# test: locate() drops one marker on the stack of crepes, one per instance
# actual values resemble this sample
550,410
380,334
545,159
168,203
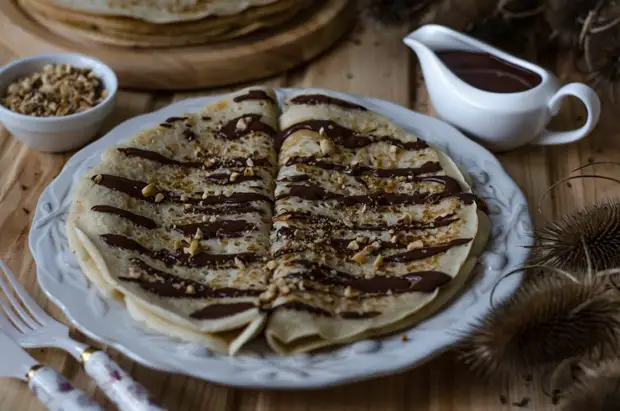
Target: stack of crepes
160,23
320,226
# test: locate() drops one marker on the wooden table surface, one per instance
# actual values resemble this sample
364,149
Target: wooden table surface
372,61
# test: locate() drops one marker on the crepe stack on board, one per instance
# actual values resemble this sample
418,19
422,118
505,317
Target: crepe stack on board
363,230
161,23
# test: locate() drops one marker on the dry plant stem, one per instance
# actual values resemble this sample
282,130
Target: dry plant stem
596,163
569,179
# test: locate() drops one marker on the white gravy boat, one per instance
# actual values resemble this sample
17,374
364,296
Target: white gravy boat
501,120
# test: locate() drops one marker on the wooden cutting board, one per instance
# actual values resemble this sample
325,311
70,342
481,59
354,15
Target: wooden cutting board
191,67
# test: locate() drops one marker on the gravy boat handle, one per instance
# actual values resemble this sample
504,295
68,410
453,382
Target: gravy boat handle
593,105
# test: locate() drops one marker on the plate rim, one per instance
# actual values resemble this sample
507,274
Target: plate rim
308,382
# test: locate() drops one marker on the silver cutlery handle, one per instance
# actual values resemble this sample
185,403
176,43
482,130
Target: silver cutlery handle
57,393
126,393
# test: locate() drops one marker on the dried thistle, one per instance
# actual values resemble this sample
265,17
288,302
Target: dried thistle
544,323
597,390
567,242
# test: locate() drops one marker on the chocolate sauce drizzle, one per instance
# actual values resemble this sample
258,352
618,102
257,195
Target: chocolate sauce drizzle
175,119
420,281
223,209
235,162
329,223
359,170
169,285
215,311
230,131
178,257
344,136
224,179
259,95
425,252
134,218
219,229
133,188
314,192
318,99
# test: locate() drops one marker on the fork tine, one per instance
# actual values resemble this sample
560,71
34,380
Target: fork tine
13,322
29,303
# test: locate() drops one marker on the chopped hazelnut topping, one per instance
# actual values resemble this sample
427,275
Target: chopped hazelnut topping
198,235
414,245
359,257
240,265
209,162
212,219
368,276
159,197
178,244
248,172
350,292
361,240
205,195
353,245
285,290
375,246
378,262
234,176
205,218
194,247
184,197
267,296
391,231
271,265
327,147
149,190
242,124
190,289
322,131
249,162
98,178
273,288
394,239
393,149
133,273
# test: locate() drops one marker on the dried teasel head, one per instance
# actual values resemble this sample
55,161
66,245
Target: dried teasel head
598,389
544,323
395,11
573,20
592,233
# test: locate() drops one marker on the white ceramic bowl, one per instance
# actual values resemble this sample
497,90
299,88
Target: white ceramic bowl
57,134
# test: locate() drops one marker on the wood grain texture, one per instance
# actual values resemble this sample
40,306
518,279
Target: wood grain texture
372,62
192,67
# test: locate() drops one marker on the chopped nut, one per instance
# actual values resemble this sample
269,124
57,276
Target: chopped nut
240,265
349,292
267,296
378,262
374,246
248,172
57,90
249,162
242,124
393,149
285,290
234,176
159,197
322,131
205,218
133,273
271,265
198,235
98,178
190,289
360,240
368,276
149,190
184,197
327,147
359,257
212,219
394,239
414,245
178,244
353,245
205,195
193,248
273,288
391,231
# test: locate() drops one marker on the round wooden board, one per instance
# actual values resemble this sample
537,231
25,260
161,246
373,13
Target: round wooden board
191,67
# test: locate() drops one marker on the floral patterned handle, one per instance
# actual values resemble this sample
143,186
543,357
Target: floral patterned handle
57,393
127,394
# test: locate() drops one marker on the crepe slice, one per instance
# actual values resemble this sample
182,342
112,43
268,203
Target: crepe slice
374,229
176,220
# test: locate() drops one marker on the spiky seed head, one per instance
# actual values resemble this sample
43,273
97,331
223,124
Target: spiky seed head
566,18
598,390
566,242
547,321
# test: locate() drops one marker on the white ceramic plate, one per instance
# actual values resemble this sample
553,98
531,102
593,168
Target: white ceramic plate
108,321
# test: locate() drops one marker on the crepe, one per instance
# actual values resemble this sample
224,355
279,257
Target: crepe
176,221
127,32
370,223
158,11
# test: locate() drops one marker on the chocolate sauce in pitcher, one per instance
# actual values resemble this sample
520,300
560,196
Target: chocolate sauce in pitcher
489,73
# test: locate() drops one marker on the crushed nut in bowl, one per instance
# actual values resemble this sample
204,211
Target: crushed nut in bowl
56,102
57,90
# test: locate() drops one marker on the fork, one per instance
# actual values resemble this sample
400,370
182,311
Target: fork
31,327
